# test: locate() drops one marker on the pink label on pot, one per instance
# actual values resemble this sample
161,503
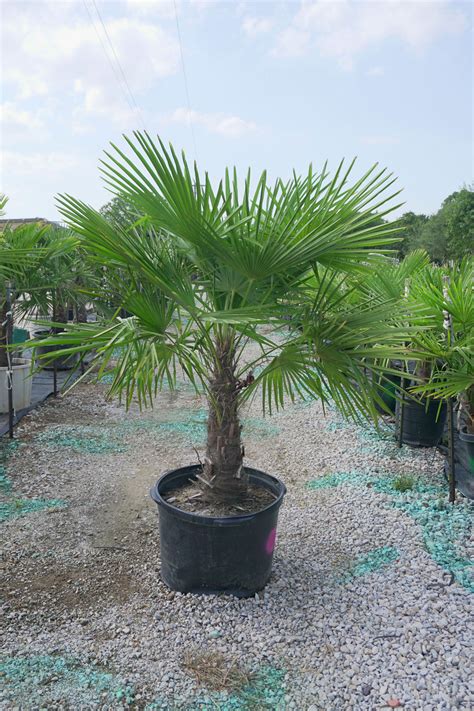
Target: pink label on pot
270,542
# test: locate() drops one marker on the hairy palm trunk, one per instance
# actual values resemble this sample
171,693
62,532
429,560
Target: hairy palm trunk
81,313
423,370
223,469
59,314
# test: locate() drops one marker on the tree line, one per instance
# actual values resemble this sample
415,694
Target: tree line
445,235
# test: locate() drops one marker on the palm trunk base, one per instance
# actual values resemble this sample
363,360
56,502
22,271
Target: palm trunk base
224,477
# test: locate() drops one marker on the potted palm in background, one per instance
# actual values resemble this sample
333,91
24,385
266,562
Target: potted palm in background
20,255
427,302
449,292
66,278
39,268
210,283
389,280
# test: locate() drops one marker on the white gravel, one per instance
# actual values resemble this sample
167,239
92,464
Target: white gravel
84,601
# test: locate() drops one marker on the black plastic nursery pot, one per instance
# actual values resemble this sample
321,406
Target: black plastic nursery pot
423,423
463,462
465,451
65,362
203,554
387,391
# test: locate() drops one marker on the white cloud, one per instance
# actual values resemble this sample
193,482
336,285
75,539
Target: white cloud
166,9
292,42
160,8
343,29
13,116
24,123
230,126
49,53
375,72
48,164
253,26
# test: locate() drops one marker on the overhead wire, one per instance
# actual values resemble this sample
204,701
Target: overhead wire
121,77
186,87
118,63
132,104
107,55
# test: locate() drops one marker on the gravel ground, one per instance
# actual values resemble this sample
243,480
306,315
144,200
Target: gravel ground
368,606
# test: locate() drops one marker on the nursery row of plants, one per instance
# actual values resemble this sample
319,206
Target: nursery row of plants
289,289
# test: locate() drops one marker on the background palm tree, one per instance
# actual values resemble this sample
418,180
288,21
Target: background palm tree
445,297
20,255
43,269
210,270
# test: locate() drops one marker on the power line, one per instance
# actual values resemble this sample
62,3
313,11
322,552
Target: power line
131,105
118,62
186,88
108,57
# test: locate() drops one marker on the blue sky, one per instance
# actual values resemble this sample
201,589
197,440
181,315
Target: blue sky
273,85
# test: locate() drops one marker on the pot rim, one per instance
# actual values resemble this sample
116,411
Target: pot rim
465,435
17,365
215,520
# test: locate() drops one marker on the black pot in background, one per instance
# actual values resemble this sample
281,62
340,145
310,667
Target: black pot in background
465,451
463,462
387,387
422,424
203,554
65,362
387,392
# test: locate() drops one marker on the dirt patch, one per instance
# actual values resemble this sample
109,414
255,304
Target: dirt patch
38,584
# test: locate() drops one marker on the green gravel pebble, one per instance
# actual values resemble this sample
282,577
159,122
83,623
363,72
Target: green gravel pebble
32,682
5,481
445,527
265,693
21,507
108,439
81,438
15,507
372,561
6,449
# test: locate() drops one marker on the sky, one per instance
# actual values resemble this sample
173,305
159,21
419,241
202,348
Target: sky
272,85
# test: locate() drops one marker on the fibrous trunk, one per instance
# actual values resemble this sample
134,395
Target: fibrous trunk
223,473
81,313
59,315
423,370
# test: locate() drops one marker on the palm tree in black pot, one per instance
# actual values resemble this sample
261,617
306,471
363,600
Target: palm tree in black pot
214,270
450,294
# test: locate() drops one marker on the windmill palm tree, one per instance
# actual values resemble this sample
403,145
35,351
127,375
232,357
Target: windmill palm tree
39,268
389,280
445,295
217,268
20,254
